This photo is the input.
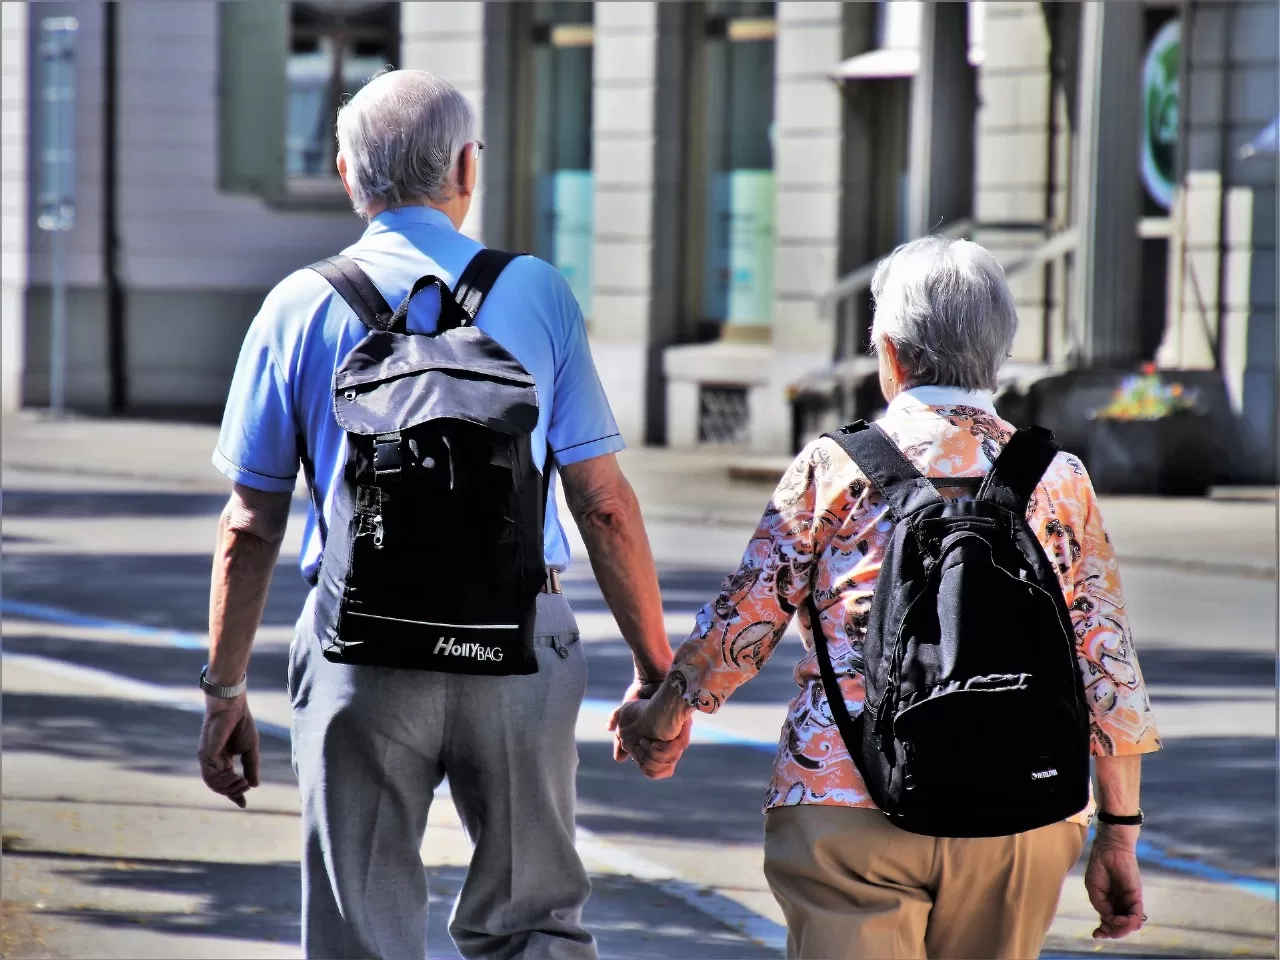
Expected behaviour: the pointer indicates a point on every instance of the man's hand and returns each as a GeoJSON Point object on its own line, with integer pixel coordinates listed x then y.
{"type": "Point", "coordinates": [1113, 882]}
{"type": "Point", "coordinates": [642, 734]}
{"type": "Point", "coordinates": [640, 689]}
{"type": "Point", "coordinates": [228, 732]}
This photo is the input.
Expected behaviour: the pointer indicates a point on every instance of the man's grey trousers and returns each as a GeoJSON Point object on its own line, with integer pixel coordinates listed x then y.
{"type": "Point", "coordinates": [370, 746]}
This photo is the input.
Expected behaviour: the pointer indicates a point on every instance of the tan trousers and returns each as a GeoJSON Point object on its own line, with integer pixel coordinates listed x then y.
{"type": "Point", "coordinates": [855, 887]}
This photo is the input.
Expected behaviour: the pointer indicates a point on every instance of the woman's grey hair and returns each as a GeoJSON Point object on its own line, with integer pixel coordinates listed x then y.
{"type": "Point", "coordinates": [402, 134]}
{"type": "Point", "coordinates": [947, 308]}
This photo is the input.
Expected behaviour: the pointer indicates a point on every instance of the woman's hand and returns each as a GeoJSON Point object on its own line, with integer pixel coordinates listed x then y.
{"type": "Point", "coordinates": [654, 732]}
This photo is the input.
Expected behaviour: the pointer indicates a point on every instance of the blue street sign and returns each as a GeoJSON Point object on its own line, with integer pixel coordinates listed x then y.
{"type": "Point", "coordinates": [56, 196]}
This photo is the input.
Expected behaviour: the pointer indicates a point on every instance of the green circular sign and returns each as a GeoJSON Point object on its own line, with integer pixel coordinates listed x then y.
{"type": "Point", "coordinates": [1160, 70]}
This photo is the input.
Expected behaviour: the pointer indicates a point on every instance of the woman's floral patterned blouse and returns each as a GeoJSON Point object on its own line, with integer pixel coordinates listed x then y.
{"type": "Point", "coordinates": [825, 530]}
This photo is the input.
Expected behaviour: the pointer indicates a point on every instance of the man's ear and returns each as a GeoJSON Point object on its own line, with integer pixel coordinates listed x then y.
{"type": "Point", "coordinates": [467, 170]}
{"type": "Point", "coordinates": [342, 174]}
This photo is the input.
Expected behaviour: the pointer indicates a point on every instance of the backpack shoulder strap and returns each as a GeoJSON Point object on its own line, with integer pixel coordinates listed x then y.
{"type": "Point", "coordinates": [478, 279]}
{"type": "Point", "coordinates": [900, 484]}
{"type": "Point", "coordinates": [355, 287]}
{"type": "Point", "coordinates": [1018, 469]}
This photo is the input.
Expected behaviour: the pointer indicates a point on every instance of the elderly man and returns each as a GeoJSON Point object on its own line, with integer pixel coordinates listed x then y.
{"type": "Point", "coordinates": [851, 883]}
{"type": "Point", "coordinates": [372, 743]}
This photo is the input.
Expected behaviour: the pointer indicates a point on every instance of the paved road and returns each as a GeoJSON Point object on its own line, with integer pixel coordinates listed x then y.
{"type": "Point", "coordinates": [113, 848]}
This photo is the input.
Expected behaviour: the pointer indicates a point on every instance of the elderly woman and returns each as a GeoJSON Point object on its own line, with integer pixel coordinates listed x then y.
{"type": "Point", "coordinates": [851, 883]}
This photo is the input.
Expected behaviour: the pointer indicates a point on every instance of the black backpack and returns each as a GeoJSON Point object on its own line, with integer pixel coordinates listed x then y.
{"type": "Point", "coordinates": [434, 557]}
{"type": "Point", "coordinates": [975, 722]}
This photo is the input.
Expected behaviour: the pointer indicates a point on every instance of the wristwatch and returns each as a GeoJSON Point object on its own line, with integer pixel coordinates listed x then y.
{"type": "Point", "coordinates": [1117, 821]}
{"type": "Point", "coordinates": [221, 690]}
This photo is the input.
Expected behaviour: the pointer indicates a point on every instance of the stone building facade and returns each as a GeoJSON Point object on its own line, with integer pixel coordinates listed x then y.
{"type": "Point", "coordinates": [714, 179]}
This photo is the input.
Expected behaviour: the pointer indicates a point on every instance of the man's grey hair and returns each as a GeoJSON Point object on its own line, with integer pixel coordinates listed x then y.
{"type": "Point", "coordinates": [948, 310]}
{"type": "Point", "coordinates": [402, 134]}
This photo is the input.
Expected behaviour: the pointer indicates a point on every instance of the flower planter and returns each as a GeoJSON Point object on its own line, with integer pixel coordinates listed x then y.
{"type": "Point", "coordinates": [1173, 456]}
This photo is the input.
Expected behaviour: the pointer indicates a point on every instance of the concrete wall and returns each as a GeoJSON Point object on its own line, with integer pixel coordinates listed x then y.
{"type": "Point", "coordinates": [194, 261]}
{"type": "Point", "coordinates": [14, 117]}
{"type": "Point", "coordinates": [86, 374]}
{"type": "Point", "coordinates": [1012, 144]}
{"type": "Point", "coordinates": [448, 39]}
{"type": "Point", "coordinates": [625, 62]}
{"type": "Point", "coordinates": [1223, 275]}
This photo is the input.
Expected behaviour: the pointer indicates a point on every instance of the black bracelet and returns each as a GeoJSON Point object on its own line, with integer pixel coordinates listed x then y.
{"type": "Point", "coordinates": [1115, 821]}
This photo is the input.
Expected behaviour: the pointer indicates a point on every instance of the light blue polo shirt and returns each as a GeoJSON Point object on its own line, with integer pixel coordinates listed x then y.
{"type": "Point", "coordinates": [283, 384]}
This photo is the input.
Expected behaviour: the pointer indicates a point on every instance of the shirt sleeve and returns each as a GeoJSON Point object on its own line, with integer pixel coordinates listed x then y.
{"type": "Point", "coordinates": [257, 445]}
{"type": "Point", "coordinates": [1121, 720]}
{"type": "Point", "coordinates": [737, 632]}
{"type": "Point", "coordinates": [582, 424]}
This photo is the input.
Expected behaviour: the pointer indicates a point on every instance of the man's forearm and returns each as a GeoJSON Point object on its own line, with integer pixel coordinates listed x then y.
{"type": "Point", "coordinates": [242, 566]}
{"type": "Point", "coordinates": [623, 564]}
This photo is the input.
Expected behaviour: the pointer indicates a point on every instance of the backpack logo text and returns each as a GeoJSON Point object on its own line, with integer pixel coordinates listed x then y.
{"type": "Point", "coordinates": [449, 647]}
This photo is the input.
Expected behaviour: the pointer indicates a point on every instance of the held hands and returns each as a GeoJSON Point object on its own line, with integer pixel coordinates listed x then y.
{"type": "Point", "coordinates": [647, 729]}
{"type": "Point", "coordinates": [1112, 881]}
{"type": "Point", "coordinates": [228, 732]}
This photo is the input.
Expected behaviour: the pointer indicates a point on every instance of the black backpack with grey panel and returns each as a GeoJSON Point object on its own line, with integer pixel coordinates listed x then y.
{"type": "Point", "coordinates": [433, 559]}
{"type": "Point", "coordinates": [974, 722]}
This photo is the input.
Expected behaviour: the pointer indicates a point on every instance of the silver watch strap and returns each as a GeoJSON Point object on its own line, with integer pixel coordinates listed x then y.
{"type": "Point", "coordinates": [221, 690]}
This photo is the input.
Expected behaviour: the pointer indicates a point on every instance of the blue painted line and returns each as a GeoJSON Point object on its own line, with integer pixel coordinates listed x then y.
{"type": "Point", "coordinates": [1267, 889]}
{"type": "Point", "coordinates": [47, 614]}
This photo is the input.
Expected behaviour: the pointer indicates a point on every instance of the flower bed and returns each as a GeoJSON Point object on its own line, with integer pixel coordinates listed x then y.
{"type": "Point", "coordinates": [1152, 438]}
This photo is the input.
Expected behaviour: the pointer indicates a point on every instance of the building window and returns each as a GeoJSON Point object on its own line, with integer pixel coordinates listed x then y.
{"type": "Point", "coordinates": [284, 70]}
{"type": "Point", "coordinates": [563, 192]}
{"type": "Point", "coordinates": [334, 48]}
{"type": "Point", "coordinates": [737, 284]}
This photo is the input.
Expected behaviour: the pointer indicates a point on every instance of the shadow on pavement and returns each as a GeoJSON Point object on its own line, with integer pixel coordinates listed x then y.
{"type": "Point", "coordinates": [261, 903]}
{"type": "Point", "coordinates": [134, 735]}
{"type": "Point", "coordinates": [99, 504]}
{"type": "Point", "coordinates": [1217, 797]}
{"type": "Point", "coordinates": [168, 591]}
{"type": "Point", "coordinates": [243, 901]}
{"type": "Point", "coordinates": [162, 665]}
{"type": "Point", "coordinates": [715, 796]}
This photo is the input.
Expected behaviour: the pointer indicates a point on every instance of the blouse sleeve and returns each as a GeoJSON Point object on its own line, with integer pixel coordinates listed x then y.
{"type": "Point", "coordinates": [737, 631]}
{"type": "Point", "coordinates": [1069, 524]}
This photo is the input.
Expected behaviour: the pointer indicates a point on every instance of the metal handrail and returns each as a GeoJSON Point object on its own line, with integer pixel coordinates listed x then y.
{"type": "Point", "coordinates": [858, 280]}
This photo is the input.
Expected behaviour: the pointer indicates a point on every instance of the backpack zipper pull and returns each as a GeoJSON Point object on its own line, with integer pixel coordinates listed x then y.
{"type": "Point", "coordinates": [378, 532]}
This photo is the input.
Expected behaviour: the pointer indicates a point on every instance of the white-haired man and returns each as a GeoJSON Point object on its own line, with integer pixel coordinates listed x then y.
{"type": "Point", "coordinates": [371, 744]}
{"type": "Point", "coordinates": [852, 883]}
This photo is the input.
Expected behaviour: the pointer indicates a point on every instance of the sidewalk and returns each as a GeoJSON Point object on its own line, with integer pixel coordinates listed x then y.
{"type": "Point", "coordinates": [1227, 535]}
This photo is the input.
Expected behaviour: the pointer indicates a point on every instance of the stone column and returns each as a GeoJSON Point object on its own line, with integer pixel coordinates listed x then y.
{"type": "Point", "coordinates": [1108, 198]}
{"type": "Point", "coordinates": [808, 141]}
{"type": "Point", "coordinates": [623, 160]}
{"type": "Point", "coordinates": [13, 214]}
{"type": "Point", "coordinates": [448, 39]}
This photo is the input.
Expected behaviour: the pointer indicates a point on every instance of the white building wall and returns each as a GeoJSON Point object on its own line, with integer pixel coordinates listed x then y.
{"type": "Point", "coordinates": [14, 120]}
{"type": "Point", "coordinates": [1223, 281]}
{"type": "Point", "coordinates": [179, 231]}
{"type": "Point", "coordinates": [808, 120]}
{"type": "Point", "coordinates": [625, 75]}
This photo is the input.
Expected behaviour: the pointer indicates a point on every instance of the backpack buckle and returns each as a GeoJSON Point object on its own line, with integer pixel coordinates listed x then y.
{"type": "Point", "coordinates": [388, 455]}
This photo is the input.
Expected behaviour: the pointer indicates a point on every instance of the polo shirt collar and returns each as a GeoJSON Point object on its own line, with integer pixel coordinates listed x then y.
{"type": "Point", "coordinates": [916, 398]}
{"type": "Point", "coordinates": [400, 218]}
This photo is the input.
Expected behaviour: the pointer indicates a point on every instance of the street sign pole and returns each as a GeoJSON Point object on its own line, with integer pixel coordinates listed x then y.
{"type": "Point", "coordinates": [57, 182]}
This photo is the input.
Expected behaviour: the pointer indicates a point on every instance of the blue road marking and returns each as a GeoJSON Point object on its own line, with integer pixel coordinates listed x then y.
{"type": "Point", "coordinates": [1258, 887]}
